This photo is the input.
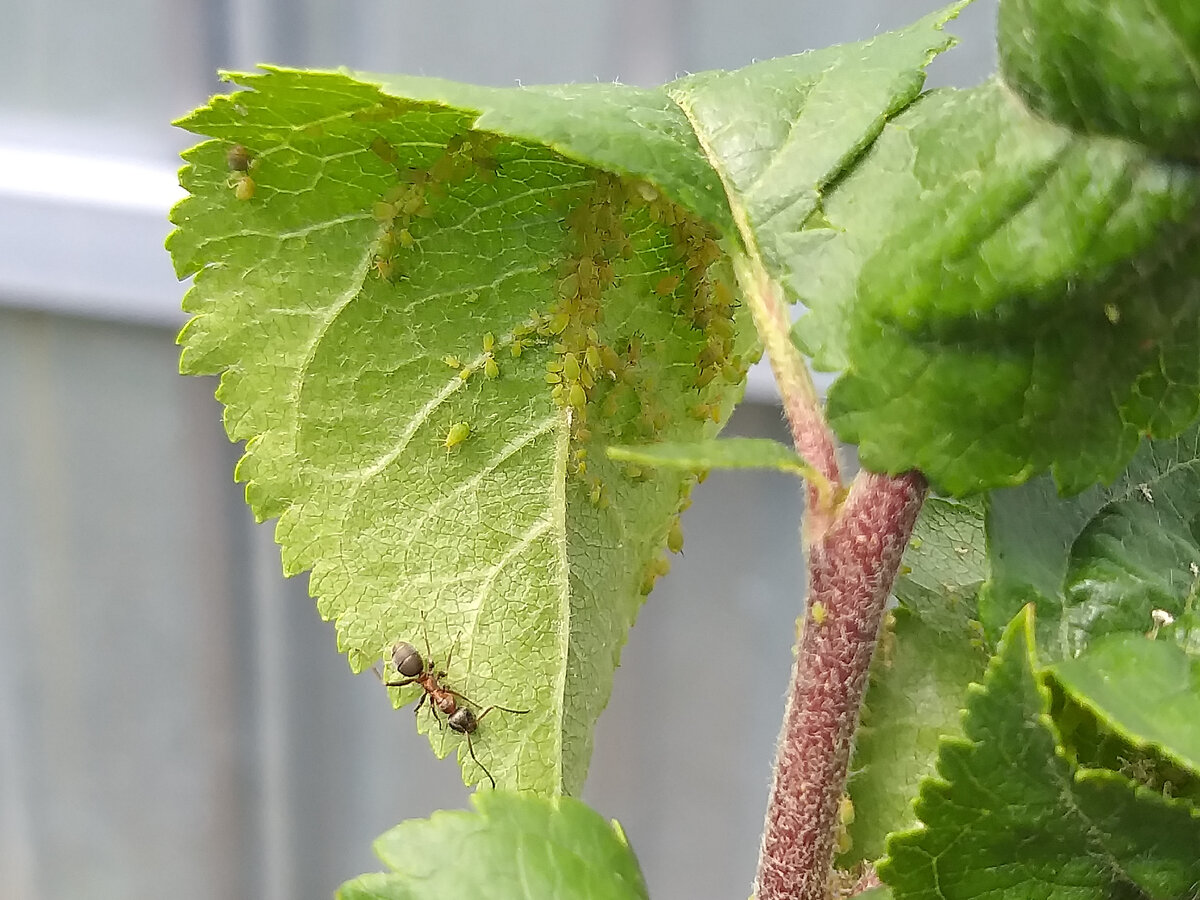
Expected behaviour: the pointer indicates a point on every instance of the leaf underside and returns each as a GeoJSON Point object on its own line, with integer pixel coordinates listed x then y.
{"type": "Point", "coordinates": [433, 305]}
{"type": "Point", "coordinates": [422, 330]}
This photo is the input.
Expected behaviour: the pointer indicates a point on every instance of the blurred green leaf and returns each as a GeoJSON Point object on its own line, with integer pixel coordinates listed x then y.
{"type": "Point", "coordinates": [730, 453]}
{"type": "Point", "coordinates": [1104, 560]}
{"type": "Point", "coordinates": [1008, 816]}
{"type": "Point", "coordinates": [1148, 691]}
{"type": "Point", "coordinates": [1122, 67]}
{"type": "Point", "coordinates": [513, 847]}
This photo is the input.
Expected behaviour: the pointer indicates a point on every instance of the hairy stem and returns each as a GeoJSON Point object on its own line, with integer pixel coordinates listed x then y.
{"type": "Point", "coordinates": [810, 433]}
{"type": "Point", "coordinates": [851, 567]}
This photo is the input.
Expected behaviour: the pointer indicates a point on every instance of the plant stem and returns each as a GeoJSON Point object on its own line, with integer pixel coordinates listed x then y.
{"type": "Point", "coordinates": [850, 569]}
{"type": "Point", "coordinates": [810, 433]}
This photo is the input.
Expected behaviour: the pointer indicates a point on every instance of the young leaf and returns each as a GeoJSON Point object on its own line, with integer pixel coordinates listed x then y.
{"type": "Point", "coordinates": [1148, 691]}
{"type": "Point", "coordinates": [1124, 67]}
{"type": "Point", "coordinates": [422, 329]}
{"type": "Point", "coordinates": [1017, 299]}
{"type": "Point", "coordinates": [920, 673]}
{"type": "Point", "coordinates": [513, 847]}
{"type": "Point", "coordinates": [730, 453]}
{"type": "Point", "coordinates": [1101, 561]}
{"type": "Point", "coordinates": [1008, 816]}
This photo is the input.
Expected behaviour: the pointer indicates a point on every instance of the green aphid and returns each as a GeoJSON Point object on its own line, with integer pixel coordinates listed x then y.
{"type": "Point", "coordinates": [675, 537]}
{"type": "Point", "coordinates": [592, 357]}
{"type": "Point", "coordinates": [383, 150]}
{"type": "Point", "coordinates": [464, 374]}
{"type": "Point", "coordinates": [457, 434]}
{"type": "Point", "coordinates": [570, 367]}
{"type": "Point", "coordinates": [489, 342]}
{"type": "Point", "coordinates": [404, 237]}
{"type": "Point", "coordinates": [490, 369]}
{"type": "Point", "coordinates": [452, 361]}
{"type": "Point", "coordinates": [577, 397]}
{"type": "Point", "coordinates": [243, 187]}
{"type": "Point", "coordinates": [558, 323]}
{"type": "Point", "coordinates": [819, 613]}
{"type": "Point", "coordinates": [553, 378]}
{"type": "Point", "coordinates": [517, 347]}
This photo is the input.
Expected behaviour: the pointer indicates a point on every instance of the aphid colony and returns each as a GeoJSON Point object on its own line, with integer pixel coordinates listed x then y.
{"type": "Point", "coordinates": [598, 375]}
{"type": "Point", "coordinates": [415, 669]}
{"type": "Point", "coordinates": [410, 198]}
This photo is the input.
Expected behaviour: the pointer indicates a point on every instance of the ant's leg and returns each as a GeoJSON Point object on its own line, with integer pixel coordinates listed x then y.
{"type": "Point", "coordinates": [503, 708]}
{"type": "Point", "coordinates": [402, 683]}
{"type": "Point", "coordinates": [471, 750]}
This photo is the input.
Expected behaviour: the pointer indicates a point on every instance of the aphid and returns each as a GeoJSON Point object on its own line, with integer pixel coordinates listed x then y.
{"type": "Point", "coordinates": [452, 361]}
{"type": "Point", "coordinates": [413, 669]}
{"type": "Point", "coordinates": [385, 268]}
{"type": "Point", "coordinates": [457, 434]}
{"type": "Point", "coordinates": [490, 369]}
{"type": "Point", "coordinates": [243, 187]}
{"type": "Point", "coordinates": [819, 613]}
{"type": "Point", "coordinates": [675, 537]}
{"type": "Point", "coordinates": [489, 342]}
{"type": "Point", "coordinates": [239, 158]}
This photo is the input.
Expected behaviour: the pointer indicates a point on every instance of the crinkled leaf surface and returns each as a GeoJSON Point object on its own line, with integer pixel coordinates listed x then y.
{"type": "Point", "coordinates": [1016, 299]}
{"type": "Point", "coordinates": [1008, 816]}
{"type": "Point", "coordinates": [1123, 67]}
{"type": "Point", "coordinates": [730, 453]}
{"type": "Point", "coordinates": [511, 848]}
{"type": "Point", "coordinates": [920, 673]}
{"type": "Point", "coordinates": [428, 302]}
{"type": "Point", "coordinates": [1103, 560]}
{"type": "Point", "coordinates": [1146, 690]}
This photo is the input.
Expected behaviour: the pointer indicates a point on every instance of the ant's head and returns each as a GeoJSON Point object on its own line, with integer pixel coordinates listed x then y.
{"type": "Point", "coordinates": [407, 660]}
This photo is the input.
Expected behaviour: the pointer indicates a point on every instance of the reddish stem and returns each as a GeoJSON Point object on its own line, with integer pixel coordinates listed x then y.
{"type": "Point", "coordinates": [851, 568]}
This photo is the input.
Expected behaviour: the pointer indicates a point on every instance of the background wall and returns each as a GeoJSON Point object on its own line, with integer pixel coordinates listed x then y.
{"type": "Point", "coordinates": [174, 717]}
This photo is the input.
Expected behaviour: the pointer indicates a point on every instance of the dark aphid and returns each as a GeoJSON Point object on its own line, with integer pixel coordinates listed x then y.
{"type": "Point", "coordinates": [415, 669]}
{"type": "Point", "coordinates": [239, 158]}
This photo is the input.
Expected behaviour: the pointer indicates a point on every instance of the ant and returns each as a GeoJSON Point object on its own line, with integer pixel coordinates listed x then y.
{"type": "Point", "coordinates": [414, 669]}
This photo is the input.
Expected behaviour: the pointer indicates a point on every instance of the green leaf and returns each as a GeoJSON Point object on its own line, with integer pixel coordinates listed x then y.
{"type": "Point", "coordinates": [372, 239]}
{"type": "Point", "coordinates": [513, 847]}
{"type": "Point", "coordinates": [1008, 816]}
{"type": "Point", "coordinates": [1123, 67]}
{"type": "Point", "coordinates": [1104, 560]}
{"type": "Point", "coordinates": [932, 649]}
{"type": "Point", "coordinates": [945, 563]}
{"type": "Point", "coordinates": [388, 308]}
{"type": "Point", "coordinates": [730, 453]}
{"type": "Point", "coordinates": [1017, 299]}
{"type": "Point", "coordinates": [781, 131]}
{"type": "Point", "coordinates": [918, 680]}
{"type": "Point", "coordinates": [1148, 691]}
